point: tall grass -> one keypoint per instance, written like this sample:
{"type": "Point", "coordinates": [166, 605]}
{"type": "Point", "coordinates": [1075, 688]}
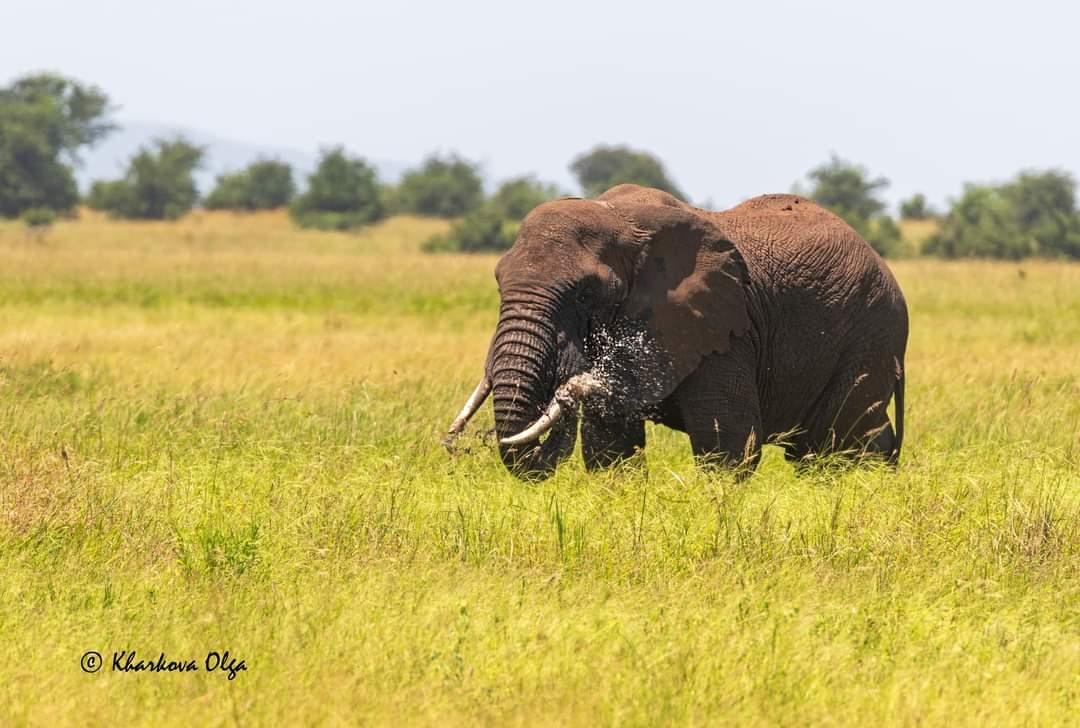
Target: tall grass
{"type": "Point", "coordinates": [223, 435]}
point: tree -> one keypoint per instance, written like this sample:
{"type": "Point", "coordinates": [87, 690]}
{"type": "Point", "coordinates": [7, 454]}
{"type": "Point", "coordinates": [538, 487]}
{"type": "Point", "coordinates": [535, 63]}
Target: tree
{"type": "Point", "coordinates": [73, 115]}
{"type": "Point", "coordinates": [264, 185]}
{"type": "Point", "coordinates": [1034, 214]}
{"type": "Point", "coordinates": [848, 191]}
{"type": "Point", "coordinates": [1043, 206]}
{"type": "Point", "coordinates": [980, 223]}
{"type": "Point", "coordinates": [603, 167]}
{"type": "Point", "coordinates": [158, 185]}
{"type": "Point", "coordinates": [45, 119]}
{"type": "Point", "coordinates": [915, 208]}
{"type": "Point", "coordinates": [493, 226]}
{"type": "Point", "coordinates": [31, 172]}
{"type": "Point", "coordinates": [441, 187]}
{"type": "Point", "coordinates": [343, 192]}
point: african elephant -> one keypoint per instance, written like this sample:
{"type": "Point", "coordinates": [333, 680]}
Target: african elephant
{"type": "Point", "coordinates": [771, 321]}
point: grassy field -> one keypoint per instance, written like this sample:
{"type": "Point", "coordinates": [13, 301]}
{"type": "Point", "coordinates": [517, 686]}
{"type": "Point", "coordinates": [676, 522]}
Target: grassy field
{"type": "Point", "coordinates": [222, 434]}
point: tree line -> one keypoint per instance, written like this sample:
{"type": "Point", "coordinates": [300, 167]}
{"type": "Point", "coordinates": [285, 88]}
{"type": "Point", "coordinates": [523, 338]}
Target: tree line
{"type": "Point", "coordinates": [47, 119]}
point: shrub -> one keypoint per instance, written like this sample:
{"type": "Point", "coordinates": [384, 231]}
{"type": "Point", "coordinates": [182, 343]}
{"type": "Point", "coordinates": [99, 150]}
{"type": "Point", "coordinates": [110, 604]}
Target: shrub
{"type": "Point", "coordinates": [159, 183]}
{"type": "Point", "coordinates": [516, 197]}
{"type": "Point", "coordinates": [263, 185]}
{"type": "Point", "coordinates": [915, 208]}
{"type": "Point", "coordinates": [342, 193]}
{"type": "Point", "coordinates": [230, 193]}
{"type": "Point", "coordinates": [38, 220]}
{"type": "Point", "coordinates": [493, 226]}
{"type": "Point", "coordinates": [603, 167]}
{"type": "Point", "coordinates": [107, 195]}
{"type": "Point", "coordinates": [482, 230]}
{"type": "Point", "coordinates": [38, 217]}
{"type": "Point", "coordinates": [441, 187]}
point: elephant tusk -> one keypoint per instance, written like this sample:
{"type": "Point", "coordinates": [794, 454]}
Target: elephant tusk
{"type": "Point", "coordinates": [483, 389]}
{"type": "Point", "coordinates": [532, 432]}
{"type": "Point", "coordinates": [575, 389]}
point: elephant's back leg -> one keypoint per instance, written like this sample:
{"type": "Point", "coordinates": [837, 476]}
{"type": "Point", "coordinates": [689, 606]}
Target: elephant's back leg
{"type": "Point", "coordinates": [851, 416]}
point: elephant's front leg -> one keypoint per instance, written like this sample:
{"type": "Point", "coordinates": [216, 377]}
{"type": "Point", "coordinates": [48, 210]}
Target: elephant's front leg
{"type": "Point", "coordinates": [606, 441]}
{"type": "Point", "coordinates": [721, 411]}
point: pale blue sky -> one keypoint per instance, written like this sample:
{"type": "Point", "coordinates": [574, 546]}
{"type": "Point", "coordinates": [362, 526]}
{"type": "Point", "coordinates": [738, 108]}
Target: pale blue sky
{"type": "Point", "coordinates": [736, 98]}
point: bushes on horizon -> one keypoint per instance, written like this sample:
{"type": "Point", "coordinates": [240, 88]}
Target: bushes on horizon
{"type": "Point", "coordinates": [441, 187]}
{"type": "Point", "coordinates": [1035, 214]}
{"type": "Point", "coordinates": [159, 183]}
{"type": "Point", "coordinates": [342, 193]}
{"type": "Point", "coordinates": [264, 185]}
{"type": "Point", "coordinates": [483, 230]}
{"type": "Point", "coordinates": [603, 167]}
{"type": "Point", "coordinates": [493, 226]}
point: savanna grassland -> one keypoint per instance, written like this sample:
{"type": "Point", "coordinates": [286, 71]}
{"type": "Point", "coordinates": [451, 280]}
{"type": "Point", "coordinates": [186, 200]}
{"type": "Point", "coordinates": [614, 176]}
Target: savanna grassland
{"type": "Point", "coordinates": [223, 434]}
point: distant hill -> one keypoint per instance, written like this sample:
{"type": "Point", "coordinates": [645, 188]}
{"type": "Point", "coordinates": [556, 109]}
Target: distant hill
{"type": "Point", "coordinates": [109, 159]}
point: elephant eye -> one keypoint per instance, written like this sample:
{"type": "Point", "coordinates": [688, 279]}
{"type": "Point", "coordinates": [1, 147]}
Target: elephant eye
{"type": "Point", "coordinates": [586, 291]}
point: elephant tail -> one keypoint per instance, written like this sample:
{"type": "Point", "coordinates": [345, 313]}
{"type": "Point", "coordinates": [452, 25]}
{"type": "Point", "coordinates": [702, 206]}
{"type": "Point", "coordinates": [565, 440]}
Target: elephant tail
{"type": "Point", "coordinates": [898, 398]}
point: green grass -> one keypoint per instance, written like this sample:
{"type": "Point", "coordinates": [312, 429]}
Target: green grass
{"type": "Point", "coordinates": [223, 435]}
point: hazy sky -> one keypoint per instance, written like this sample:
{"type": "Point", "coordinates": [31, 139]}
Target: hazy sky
{"type": "Point", "coordinates": [736, 98]}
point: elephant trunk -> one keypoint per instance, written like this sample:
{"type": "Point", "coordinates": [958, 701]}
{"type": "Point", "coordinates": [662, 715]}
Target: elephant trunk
{"type": "Point", "coordinates": [523, 370]}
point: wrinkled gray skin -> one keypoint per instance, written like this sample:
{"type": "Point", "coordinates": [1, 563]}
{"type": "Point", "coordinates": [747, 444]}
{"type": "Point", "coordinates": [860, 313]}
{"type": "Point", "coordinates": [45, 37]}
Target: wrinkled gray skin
{"type": "Point", "coordinates": [735, 327]}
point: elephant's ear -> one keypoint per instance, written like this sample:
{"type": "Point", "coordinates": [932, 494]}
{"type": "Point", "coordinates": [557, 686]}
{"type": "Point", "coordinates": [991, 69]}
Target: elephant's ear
{"type": "Point", "coordinates": [689, 287]}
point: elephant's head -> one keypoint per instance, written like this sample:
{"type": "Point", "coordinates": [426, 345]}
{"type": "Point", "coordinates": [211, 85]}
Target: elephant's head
{"type": "Point", "coordinates": [606, 304]}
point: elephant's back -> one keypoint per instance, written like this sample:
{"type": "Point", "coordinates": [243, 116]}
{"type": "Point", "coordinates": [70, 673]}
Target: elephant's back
{"type": "Point", "coordinates": [793, 244]}
{"type": "Point", "coordinates": [789, 225]}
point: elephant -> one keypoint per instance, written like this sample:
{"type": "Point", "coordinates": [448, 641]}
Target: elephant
{"type": "Point", "coordinates": [770, 322]}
